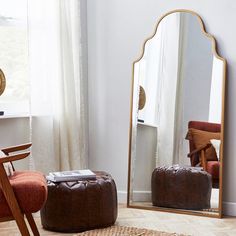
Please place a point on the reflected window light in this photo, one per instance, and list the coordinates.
(14, 56)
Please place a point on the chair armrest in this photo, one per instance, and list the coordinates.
(8, 150)
(203, 147)
(14, 157)
(203, 160)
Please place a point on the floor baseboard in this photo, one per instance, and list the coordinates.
(139, 196)
(122, 196)
(229, 208)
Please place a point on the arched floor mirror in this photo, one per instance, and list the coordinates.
(177, 120)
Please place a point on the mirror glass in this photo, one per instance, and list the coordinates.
(176, 120)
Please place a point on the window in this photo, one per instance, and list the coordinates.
(14, 56)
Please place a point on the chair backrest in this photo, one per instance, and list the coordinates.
(204, 126)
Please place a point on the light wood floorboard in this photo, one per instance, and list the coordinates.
(168, 222)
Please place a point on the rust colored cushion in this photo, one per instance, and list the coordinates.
(213, 168)
(201, 138)
(206, 126)
(30, 189)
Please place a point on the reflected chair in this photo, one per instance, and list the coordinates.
(21, 194)
(202, 153)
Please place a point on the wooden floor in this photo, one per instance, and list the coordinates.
(168, 222)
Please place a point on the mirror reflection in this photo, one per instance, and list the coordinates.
(176, 119)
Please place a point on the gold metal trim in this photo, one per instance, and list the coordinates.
(215, 53)
(2, 82)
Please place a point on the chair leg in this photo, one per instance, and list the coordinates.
(12, 202)
(32, 224)
(22, 225)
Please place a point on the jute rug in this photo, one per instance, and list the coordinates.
(125, 231)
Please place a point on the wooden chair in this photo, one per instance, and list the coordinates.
(197, 155)
(21, 194)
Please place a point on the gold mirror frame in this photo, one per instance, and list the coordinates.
(215, 53)
(2, 82)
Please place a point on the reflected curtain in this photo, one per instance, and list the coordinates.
(58, 89)
(168, 93)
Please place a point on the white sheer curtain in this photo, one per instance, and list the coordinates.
(168, 93)
(58, 89)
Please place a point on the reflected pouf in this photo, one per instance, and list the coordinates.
(80, 205)
(181, 187)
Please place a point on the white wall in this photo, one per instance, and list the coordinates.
(145, 162)
(15, 131)
(197, 79)
(116, 31)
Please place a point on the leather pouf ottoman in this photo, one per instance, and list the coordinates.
(80, 205)
(181, 187)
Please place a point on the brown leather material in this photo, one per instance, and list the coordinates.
(181, 187)
(80, 205)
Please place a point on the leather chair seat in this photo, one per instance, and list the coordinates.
(181, 187)
(30, 188)
(80, 205)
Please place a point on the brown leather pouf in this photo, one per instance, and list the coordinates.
(81, 205)
(181, 187)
